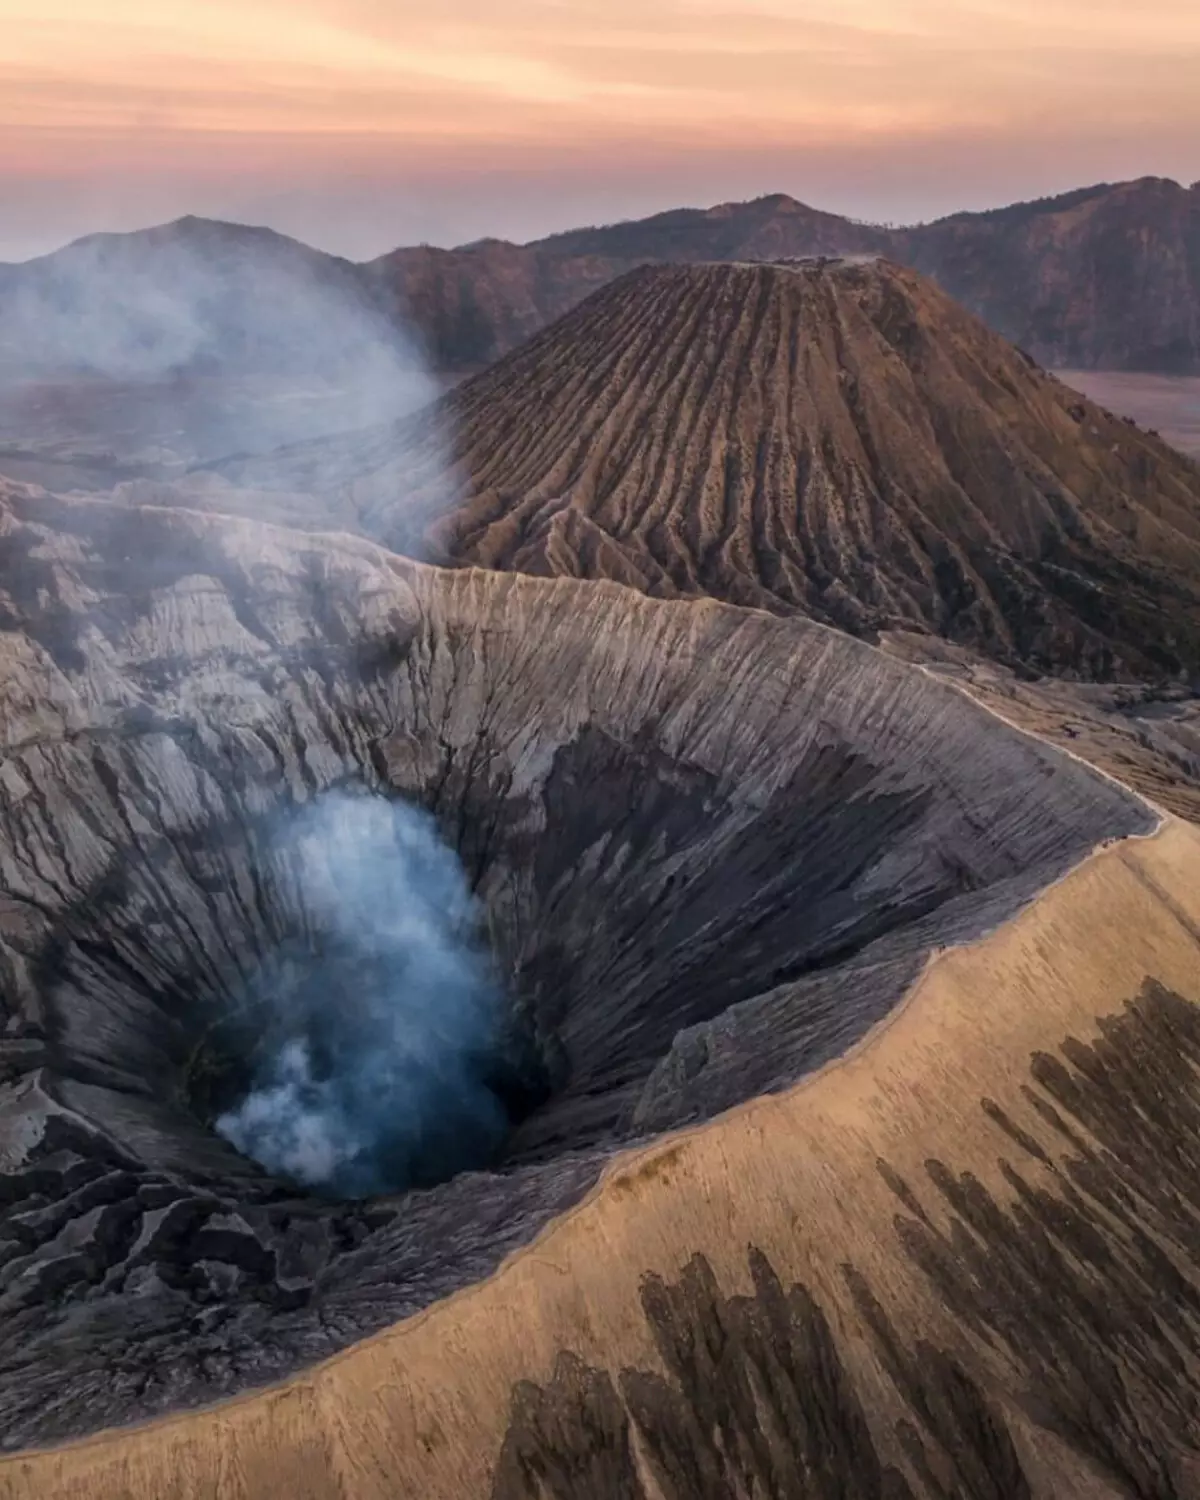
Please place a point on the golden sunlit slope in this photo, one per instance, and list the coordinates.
(960, 1261)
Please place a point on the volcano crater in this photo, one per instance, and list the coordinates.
(707, 851)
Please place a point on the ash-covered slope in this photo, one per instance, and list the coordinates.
(713, 848)
(838, 439)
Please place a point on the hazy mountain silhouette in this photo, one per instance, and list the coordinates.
(1103, 277)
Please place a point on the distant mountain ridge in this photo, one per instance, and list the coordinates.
(1102, 277)
(196, 295)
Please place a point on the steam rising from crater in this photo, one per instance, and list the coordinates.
(381, 1024)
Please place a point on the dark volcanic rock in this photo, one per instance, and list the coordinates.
(713, 847)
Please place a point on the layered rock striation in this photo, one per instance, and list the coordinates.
(713, 848)
(835, 438)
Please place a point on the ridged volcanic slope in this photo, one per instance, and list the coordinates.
(713, 848)
(838, 439)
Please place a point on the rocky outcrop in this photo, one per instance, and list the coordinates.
(833, 438)
(713, 847)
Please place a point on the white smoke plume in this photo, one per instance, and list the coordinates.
(200, 340)
(377, 1071)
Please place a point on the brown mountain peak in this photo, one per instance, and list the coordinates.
(831, 436)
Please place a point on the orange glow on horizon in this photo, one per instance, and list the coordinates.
(226, 89)
(89, 74)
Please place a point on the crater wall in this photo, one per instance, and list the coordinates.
(714, 849)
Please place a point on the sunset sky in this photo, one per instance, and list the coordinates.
(361, 124)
